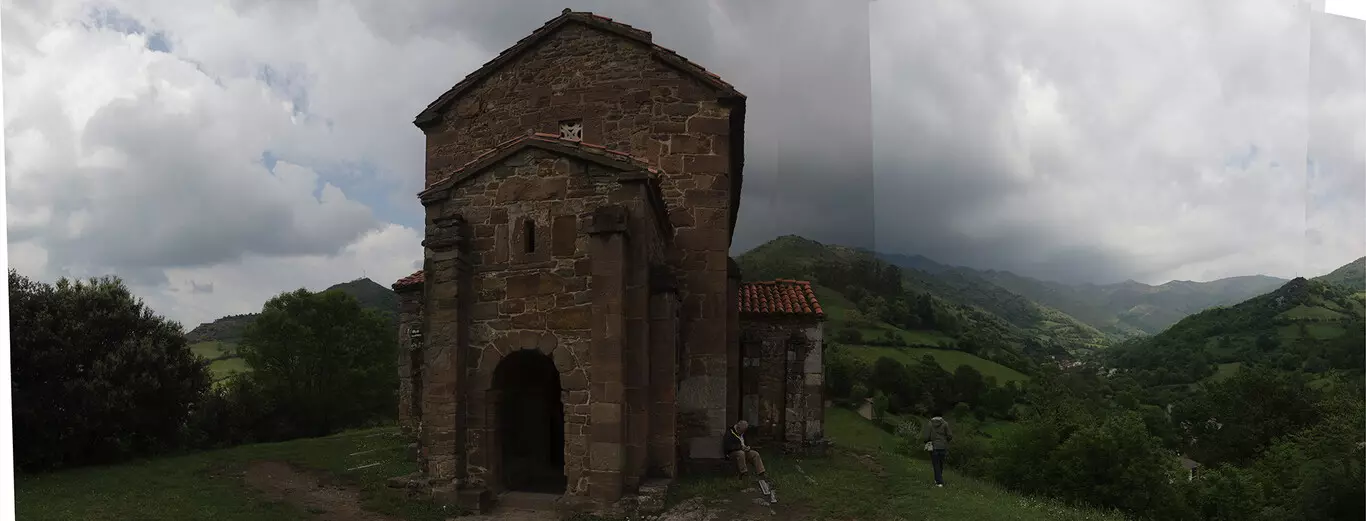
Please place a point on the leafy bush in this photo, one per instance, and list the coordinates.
(97, 377)
(308, 349)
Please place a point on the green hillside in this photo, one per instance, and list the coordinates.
(217, 341)
(1305, 325)
(1352, 276)
(944, 310)
(945, 358)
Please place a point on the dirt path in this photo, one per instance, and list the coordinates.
(282, 482)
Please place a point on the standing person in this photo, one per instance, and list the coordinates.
(735, 448)
(938, 434)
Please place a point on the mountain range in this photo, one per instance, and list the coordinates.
(1009, 318)
(1123, 309)
(1308, 326)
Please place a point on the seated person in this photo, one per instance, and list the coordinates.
(734, 447)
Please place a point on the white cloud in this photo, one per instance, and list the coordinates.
(148, 165)
(1069, 139)
(1110, 127)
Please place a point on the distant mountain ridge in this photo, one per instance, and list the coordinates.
(230, 329)
(1123, 309)
(1304, 325)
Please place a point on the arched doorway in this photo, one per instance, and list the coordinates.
(530, 423)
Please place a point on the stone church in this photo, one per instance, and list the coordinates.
(578, 327)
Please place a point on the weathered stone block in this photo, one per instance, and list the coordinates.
(576, 317)
(566, 235)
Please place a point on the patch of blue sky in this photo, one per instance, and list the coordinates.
(288, 82)
(113, 19)
(361, 182)
(1244, 159)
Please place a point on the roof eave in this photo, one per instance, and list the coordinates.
(471, 169)
(737, 158)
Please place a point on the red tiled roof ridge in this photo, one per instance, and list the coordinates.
(779, 297)
(416, 279)
(591, 19)
(543, 137)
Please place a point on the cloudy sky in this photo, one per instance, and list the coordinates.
(214, 153)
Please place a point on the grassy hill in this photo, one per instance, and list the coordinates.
(343, 477)
(217, 341)
(1305, 325)
(999, 319)
(1351, 276)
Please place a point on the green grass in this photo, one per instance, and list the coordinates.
(1303, 311)
(1225, 371)
(949, 360)
(840, 313)
(862, 479)
(227, 367)
(209, 485)
(214, 349)
(1315, 330)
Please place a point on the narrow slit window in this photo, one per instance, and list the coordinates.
(571, 129)
(529, 235)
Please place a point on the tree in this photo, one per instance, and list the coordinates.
(841, 373)
(892, 378)
(325, 362)
(97, 376)
(880, 405)
(1250, 410)
(968, 384)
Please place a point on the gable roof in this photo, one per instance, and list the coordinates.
(634, 169)
(432, 114)
(587, 151)
(780, 297)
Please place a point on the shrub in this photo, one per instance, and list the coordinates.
(308, 349)
(97, 377)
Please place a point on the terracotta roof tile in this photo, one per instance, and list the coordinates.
(780, 297)
(408, 282)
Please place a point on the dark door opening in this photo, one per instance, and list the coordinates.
(531, 423)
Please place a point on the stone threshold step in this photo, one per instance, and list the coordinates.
(528, 500)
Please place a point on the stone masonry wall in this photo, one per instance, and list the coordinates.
(409, 317)
(648, 248)
(783, 378)
(539, 299)
(627, 101)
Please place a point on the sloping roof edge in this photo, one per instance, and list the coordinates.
(550, 142)
(432, 114)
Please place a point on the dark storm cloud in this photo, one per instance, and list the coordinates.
(1060, 139)
(1071, 140)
